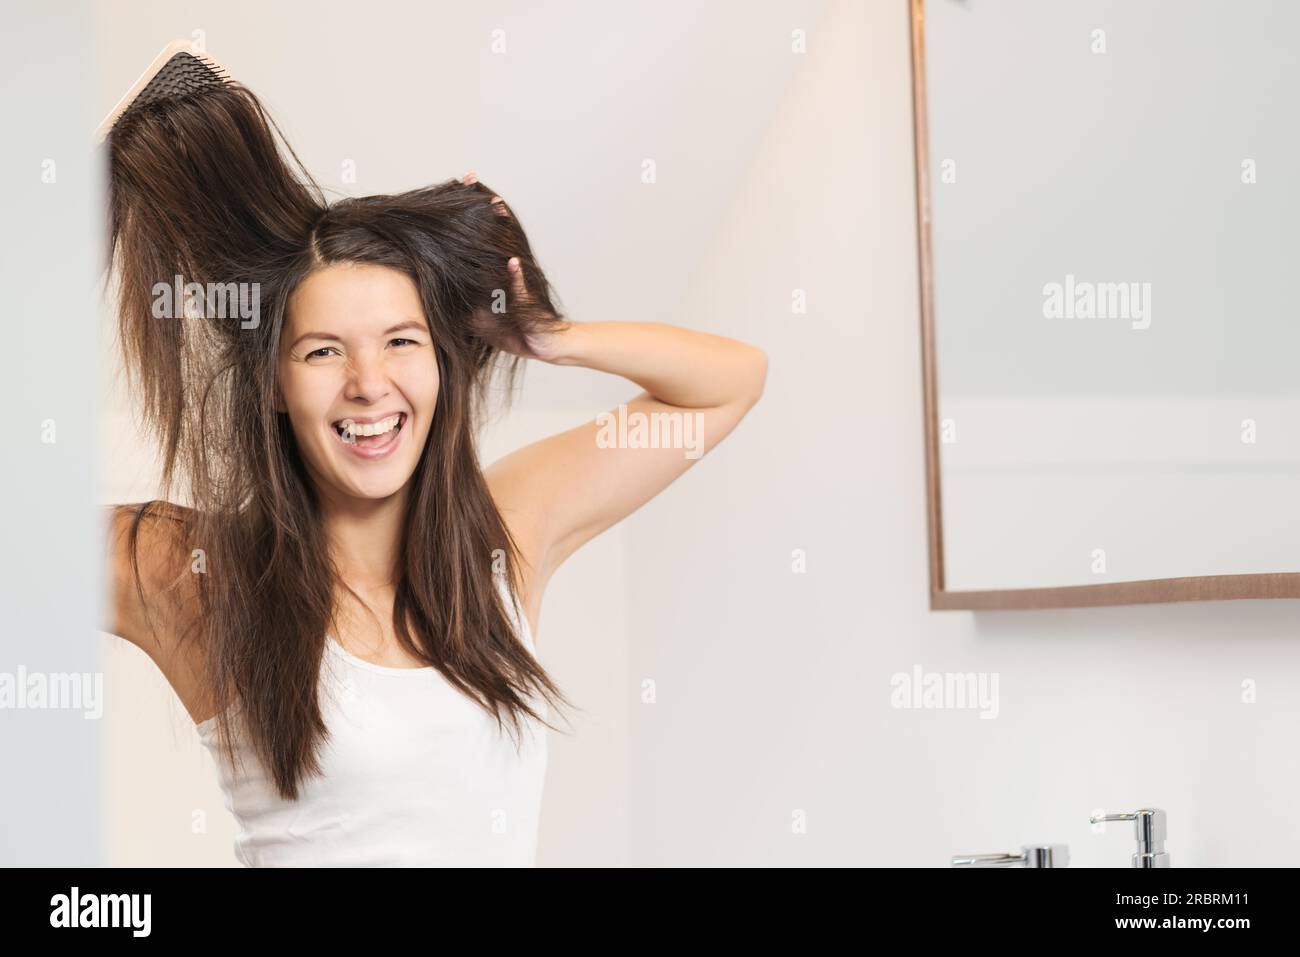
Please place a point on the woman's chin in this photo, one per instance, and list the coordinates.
(377, 484)
(373, 491)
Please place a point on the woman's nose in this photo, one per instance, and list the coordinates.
(367, 378)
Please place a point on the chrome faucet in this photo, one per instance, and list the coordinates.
(1031, 855)
(1150, 828)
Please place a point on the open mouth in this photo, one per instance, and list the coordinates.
(370, 439)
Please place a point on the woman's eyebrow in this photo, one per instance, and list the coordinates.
(405, 324)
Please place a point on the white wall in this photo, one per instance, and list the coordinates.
(771, 690)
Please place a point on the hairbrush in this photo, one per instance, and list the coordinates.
(177, 71)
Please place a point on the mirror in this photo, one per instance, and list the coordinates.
(1107, 210)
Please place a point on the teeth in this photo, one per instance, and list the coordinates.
(353, 429)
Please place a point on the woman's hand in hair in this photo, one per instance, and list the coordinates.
(499, 204)
(523, 327)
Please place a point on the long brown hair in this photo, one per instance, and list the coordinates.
(204, 186)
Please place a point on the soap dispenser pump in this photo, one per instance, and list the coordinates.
(1150, 829)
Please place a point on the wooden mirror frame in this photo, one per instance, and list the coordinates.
(1197, 588)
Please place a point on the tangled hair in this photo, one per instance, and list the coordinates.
(200, 188)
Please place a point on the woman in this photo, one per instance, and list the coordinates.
(343, 600)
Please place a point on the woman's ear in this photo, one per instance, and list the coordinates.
(279, 400)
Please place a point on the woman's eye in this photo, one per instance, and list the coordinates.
(324, 352)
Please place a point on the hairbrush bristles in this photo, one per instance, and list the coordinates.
(177, 71)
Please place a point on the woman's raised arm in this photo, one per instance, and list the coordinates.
(560, 492)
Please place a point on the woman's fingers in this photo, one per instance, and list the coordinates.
(516, 271)
(499, 204)
(517, 275)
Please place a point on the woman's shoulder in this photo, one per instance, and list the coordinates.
(150, 568)
(158, 520)
(155, 596)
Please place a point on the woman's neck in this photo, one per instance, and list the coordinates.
(365, 539)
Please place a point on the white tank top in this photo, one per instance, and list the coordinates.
(415, 774)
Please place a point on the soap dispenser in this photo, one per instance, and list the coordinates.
(1150, 829)
(1031, 855)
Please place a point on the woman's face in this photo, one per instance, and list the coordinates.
(356, 346)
